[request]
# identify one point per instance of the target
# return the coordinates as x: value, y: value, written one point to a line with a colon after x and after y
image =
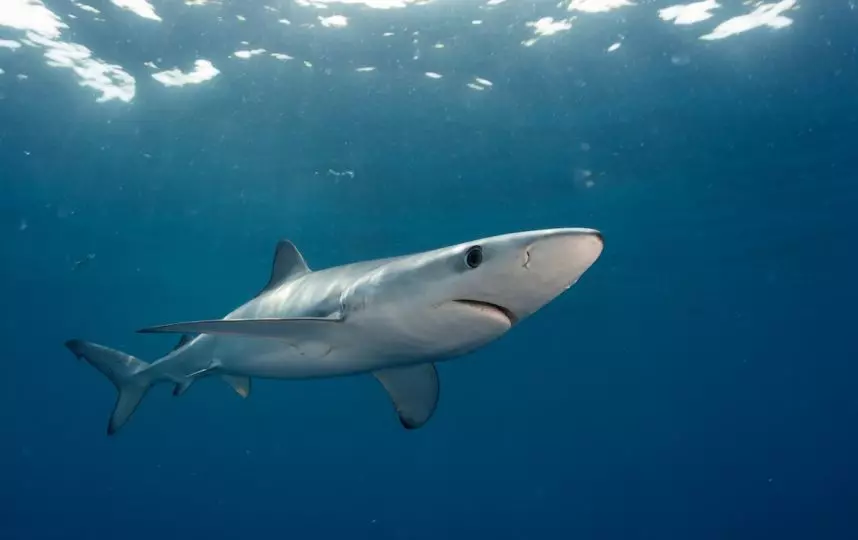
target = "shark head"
x: 452, y: 300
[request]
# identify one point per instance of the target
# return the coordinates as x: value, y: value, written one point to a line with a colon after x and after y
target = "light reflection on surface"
x: 86, y: 7
x: 597, y: 6
x: 334, y: 21
x: 203, y: 71
x: 31, y: 25
x: 140, y: 7
x: 689, y: 13
x: 547, y: 26
x: 770, y: 15
x: 374, y: 4
x: 245, y: 54
x: 43, y: 29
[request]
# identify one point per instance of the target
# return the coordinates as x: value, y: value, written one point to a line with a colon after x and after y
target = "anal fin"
x: 239, y: 383
x: 413, y: 390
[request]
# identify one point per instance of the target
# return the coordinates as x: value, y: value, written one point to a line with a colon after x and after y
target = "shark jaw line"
x: 482, y: 305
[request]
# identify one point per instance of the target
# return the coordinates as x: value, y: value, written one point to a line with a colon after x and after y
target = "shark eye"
x: 474, y: 256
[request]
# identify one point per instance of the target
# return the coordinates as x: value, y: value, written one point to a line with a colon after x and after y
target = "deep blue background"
x: 699, y: 381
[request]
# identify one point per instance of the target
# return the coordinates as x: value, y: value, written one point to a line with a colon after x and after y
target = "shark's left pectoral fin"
x: 291, y: 328
x: 413, y: 390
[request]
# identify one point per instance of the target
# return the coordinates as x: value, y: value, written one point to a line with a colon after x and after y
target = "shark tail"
x: 123, y: 370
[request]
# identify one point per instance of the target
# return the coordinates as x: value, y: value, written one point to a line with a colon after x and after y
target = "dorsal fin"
x: 288, y: 264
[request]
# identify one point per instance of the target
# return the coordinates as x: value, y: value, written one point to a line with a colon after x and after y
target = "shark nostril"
x: 526, y: 258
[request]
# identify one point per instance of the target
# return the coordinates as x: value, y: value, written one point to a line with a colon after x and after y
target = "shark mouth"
x: 479, y: 304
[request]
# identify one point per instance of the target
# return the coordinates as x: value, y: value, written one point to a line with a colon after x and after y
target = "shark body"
x: 394, y: 318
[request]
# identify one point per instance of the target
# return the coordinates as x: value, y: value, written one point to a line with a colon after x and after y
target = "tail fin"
x: 121, y: 369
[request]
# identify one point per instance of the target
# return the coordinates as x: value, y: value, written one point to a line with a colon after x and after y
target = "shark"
x: 394, y: 318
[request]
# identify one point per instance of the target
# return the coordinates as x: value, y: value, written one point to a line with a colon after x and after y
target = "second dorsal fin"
x: 288, y: 264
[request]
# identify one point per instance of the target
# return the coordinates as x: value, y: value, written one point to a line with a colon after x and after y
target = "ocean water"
x: 699, y: 382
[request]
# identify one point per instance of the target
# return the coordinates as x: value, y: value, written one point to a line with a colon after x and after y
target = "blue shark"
x: 394, y: 318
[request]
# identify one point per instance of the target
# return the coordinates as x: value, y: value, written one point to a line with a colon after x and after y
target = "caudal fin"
x: 122, y: 370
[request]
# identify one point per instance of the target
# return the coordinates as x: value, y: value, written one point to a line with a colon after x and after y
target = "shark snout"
x: 563, y: 256
x: 546, y: 264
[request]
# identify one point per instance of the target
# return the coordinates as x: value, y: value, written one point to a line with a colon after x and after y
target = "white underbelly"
x: 270, y: 358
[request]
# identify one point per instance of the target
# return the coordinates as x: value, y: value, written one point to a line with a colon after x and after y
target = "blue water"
x: 697, y: 383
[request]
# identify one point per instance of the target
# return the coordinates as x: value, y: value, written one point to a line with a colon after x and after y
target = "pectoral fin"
x: 290, y: 329
x: 414, y: 391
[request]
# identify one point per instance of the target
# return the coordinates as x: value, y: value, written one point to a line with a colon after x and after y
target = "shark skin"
x: 394, y: 318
